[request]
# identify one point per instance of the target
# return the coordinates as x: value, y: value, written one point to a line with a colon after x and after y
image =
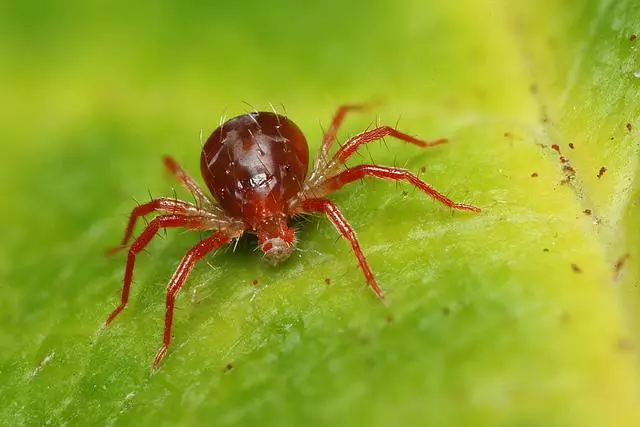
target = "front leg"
x: 352, y: 145
x: 330, y: 134
x: 164, y: 221
x: 189, y: 183
x: 164, y: 205
x: 340, y: 223
x: 177, y: 280
x: 385, y: 172
x: 323, y: 160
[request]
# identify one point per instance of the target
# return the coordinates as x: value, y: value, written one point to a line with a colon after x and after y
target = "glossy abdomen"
x: 254, y: 163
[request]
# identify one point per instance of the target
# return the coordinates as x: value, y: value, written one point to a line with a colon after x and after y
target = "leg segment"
x: 323, y: 160
x: 187, y: 182
x: 165, y: 221
x: 165, y: 205
x: 330, y: 134
x: 329, y: 208
x: 358, y: 172
x: 352, y: 144
x: 182, y: 272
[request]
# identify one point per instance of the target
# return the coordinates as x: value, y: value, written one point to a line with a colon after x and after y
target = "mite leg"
x: 329, y: 208
x: 354, y: 143
x: 330, y: 134
x: 187, y: 182
x: 323, y: 161
x: 165, y: 205
x: 358, y: 172
x: 182, y: 272
x: 165, y: 221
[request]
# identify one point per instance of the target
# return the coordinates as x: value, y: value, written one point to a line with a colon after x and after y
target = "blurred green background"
x: 517, y: 316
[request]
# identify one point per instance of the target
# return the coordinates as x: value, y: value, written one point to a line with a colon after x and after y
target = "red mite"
x: 255, y: 166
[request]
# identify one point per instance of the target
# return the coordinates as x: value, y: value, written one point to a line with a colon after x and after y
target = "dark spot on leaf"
x: 625, y: 345
x: 228, y: 367
x: 254, y: 282
x: 576, y: 268
x: 390, y: 319
x: 534, y: 175
x: 507, y: 135
x: 446, y: 310
x: 555, y: 147
x: 545, y: 250
x: 601, y: 172
x: 633, y: 38
x: 619, y: 265
x: 629, y: 127
x: 327, y: 281
x: 571, y: 145
x: 587, y: 211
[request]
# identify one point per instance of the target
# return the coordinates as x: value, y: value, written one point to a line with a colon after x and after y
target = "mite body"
x: 255, y: 167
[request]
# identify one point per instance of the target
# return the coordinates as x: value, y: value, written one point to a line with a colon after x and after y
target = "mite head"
x: 276, y: 239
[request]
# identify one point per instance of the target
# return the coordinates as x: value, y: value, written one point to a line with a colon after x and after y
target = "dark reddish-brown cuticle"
x: 629, y: 127
x: 254, y: 282
x: 534, y: 175
x: 571, y: 145
x: 601, y: 172
x: 327, y: 281
x: 633, y: 38
x: 243, y: 162
x: 556, y: 148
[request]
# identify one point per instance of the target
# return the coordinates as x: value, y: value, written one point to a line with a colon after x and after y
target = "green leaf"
x: 523, y: 315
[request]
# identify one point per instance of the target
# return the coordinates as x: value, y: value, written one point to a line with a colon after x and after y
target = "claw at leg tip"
x: 114, y: 250
x: 381, y: 296
x: 156, y: 360
x: 470, y: 208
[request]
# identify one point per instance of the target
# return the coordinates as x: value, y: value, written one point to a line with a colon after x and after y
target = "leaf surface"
x: 523, y: 315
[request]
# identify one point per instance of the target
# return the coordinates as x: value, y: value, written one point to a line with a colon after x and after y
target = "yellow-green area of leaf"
x: 523, y: 315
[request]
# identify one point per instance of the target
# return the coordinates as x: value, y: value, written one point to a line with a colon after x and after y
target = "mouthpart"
x: 277, y: 250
